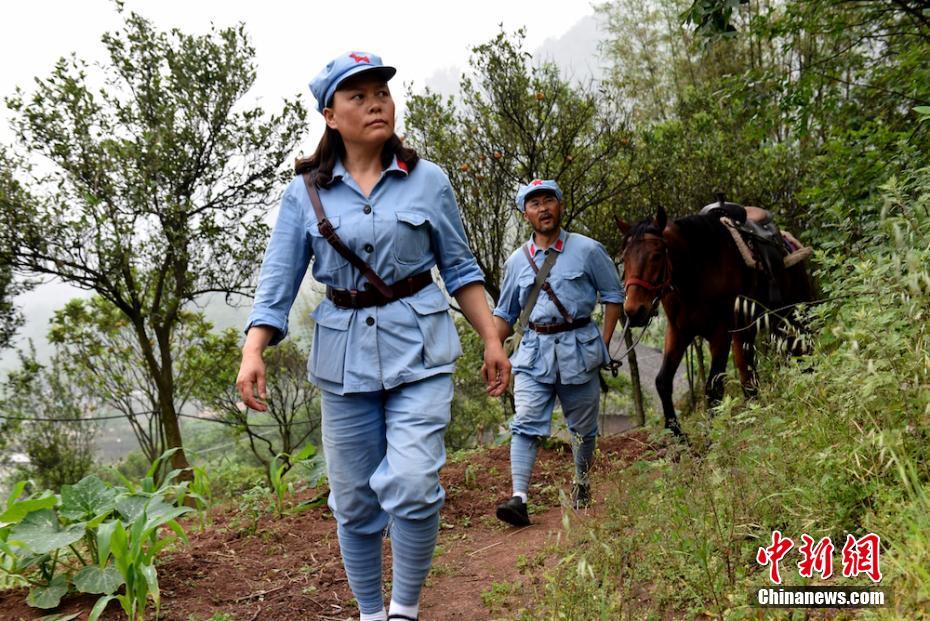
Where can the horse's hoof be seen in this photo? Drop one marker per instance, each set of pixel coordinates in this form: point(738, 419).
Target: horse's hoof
point(675, 428)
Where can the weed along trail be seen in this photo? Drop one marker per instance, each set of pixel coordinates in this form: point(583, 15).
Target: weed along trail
point(248, 564)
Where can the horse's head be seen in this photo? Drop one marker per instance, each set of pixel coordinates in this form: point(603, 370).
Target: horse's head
point(647, 272)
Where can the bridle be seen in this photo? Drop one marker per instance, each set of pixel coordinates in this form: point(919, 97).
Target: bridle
point(660, 289)
point(664, 285)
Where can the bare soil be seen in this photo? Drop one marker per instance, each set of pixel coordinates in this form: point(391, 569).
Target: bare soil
point(289, 568)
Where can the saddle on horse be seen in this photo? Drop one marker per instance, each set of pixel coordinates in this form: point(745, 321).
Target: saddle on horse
point(762, 245)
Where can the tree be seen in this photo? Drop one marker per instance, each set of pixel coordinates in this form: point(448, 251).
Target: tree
point(160, 179)
point(293, 415)
point(97, 344)
point(512, 122)
point(59, 429)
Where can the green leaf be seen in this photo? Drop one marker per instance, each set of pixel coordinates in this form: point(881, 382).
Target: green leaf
point(923, 111)
point(151, 579)
point(87, 499)
point(158, 512)
point(104, 537)
point(60, 617)
point(306, 452)
point(99, 607)
point(17, 510)
point(92, 579)
point(50, 595)
point(131, 507)
point(41, 532)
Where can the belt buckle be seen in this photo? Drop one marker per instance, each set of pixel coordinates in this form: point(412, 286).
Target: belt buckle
point(353, 298)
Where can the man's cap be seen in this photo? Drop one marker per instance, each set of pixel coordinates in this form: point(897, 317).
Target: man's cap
point(342, 67)
point(534, 186)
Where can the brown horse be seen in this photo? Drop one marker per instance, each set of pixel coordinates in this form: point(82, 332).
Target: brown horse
point(694, 268)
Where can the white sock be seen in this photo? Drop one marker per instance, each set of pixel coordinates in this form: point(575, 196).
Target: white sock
point(522, 496)
point(408, 611)
point(381, 615)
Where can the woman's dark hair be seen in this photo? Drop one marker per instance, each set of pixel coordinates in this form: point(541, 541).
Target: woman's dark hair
point(331, 146)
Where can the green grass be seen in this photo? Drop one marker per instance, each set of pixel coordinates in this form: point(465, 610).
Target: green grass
point(835, 443)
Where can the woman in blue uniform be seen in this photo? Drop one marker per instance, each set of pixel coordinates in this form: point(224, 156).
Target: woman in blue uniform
point(384, 344)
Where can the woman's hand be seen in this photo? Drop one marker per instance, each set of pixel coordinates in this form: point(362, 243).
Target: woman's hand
point(252, 376)
point(496, 369)
point(252, 368)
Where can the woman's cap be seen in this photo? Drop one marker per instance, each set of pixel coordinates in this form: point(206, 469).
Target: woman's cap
point(534, 186)
point(338, 69)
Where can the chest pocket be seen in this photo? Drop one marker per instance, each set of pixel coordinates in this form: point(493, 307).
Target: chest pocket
point(411, 237)
point(326, 257)
point(572, 287)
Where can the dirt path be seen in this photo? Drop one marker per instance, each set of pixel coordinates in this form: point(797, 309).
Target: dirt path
point(289, 569)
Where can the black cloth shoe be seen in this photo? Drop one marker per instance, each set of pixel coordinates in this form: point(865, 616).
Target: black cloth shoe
point(581, 495)
point(400, 617)
point(514, 512)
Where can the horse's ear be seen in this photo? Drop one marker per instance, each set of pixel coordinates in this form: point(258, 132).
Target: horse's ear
point(622, 225)
point(661, 218)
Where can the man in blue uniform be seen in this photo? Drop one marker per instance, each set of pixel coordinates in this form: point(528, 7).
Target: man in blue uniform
point(562, 350)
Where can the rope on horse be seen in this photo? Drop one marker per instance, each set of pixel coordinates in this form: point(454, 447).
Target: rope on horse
point(744, 250)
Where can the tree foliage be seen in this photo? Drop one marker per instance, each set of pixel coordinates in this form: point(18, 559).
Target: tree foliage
point(159, 178)
point(293, 416)
point(511, 122)
point(58, 432)
point(96, 344)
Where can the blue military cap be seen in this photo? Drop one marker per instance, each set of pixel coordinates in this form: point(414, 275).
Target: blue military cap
point(537, 185)
point(338, 69)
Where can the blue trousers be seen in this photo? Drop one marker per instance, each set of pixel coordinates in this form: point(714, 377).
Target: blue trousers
point(534, 402)
point(383, 454)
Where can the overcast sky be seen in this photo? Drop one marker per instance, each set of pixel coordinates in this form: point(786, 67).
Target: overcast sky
point(293, 40)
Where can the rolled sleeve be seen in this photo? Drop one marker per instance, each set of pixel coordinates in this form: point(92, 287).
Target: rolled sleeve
point(283, 267)
point(508, 306)
point(457, 264)
point(604, 274)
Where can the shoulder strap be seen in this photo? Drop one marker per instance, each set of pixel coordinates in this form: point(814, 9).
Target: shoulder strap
point(545, 286)
point(328, 233)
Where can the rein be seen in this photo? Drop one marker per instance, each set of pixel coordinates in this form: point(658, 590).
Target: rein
point(659, 289)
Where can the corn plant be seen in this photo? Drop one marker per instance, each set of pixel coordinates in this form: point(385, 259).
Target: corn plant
point(93, 538)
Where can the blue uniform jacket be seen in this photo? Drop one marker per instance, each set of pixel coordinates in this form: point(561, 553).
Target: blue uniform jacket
point(582, 271)
point(409, 224)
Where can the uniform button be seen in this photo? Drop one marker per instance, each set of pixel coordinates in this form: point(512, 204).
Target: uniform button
point(368, 286)
point(370, 321)
point(367, 209)
point(369, 248)
point(557, 340)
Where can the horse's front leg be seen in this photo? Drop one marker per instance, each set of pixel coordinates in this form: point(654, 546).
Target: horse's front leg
point(719, 353)
point(675, 346)
point(744, 358)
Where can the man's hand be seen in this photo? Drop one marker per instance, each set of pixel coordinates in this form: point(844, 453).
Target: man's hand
point(496, 369)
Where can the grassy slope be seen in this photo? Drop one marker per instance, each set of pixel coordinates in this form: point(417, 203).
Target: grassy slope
point(840, 448)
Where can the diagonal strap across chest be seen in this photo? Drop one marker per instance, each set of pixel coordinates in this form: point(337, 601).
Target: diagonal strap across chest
point(548, 288)
point(330, 235)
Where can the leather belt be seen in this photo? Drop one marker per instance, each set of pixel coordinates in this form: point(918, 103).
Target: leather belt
point(353, 298)
point(555, 328)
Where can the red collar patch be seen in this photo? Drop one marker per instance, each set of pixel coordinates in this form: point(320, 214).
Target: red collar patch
point(403, 166)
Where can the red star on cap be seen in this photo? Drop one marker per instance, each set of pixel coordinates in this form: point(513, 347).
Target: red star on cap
point(359, 59)
point(536, 182)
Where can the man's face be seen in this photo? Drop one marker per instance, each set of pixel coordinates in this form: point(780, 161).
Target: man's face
point(543, 212)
